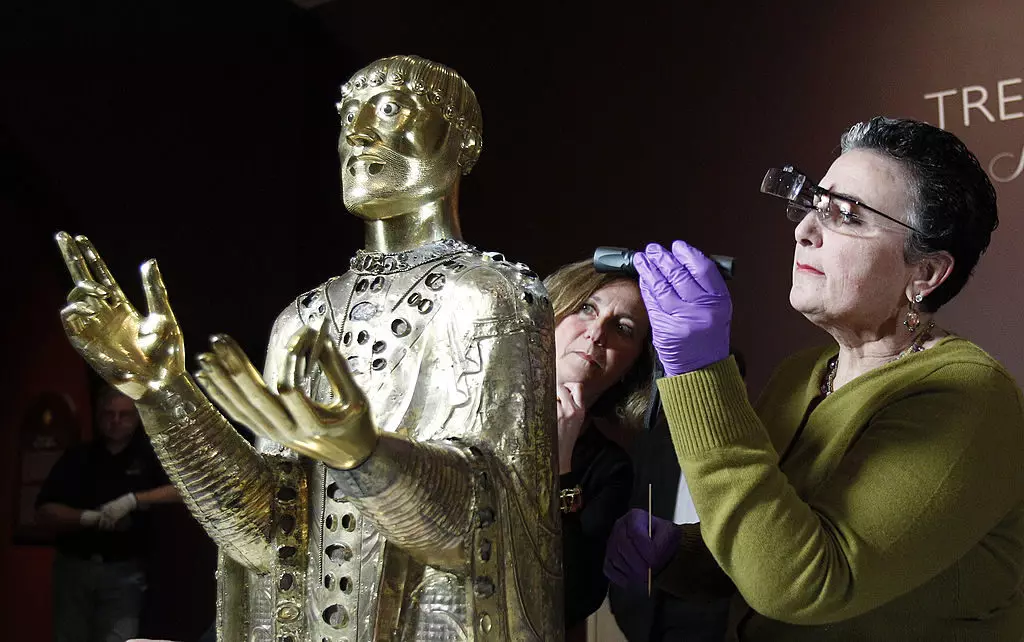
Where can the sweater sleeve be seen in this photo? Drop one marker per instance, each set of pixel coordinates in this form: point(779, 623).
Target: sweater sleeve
point(693, 574)
point(900, 507)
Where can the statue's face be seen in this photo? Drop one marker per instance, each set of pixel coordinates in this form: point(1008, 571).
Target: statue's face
point(397, 152)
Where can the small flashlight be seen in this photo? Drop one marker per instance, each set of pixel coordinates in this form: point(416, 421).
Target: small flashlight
point(620, 260)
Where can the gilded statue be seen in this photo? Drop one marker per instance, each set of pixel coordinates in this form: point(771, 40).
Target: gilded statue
point(402, 483)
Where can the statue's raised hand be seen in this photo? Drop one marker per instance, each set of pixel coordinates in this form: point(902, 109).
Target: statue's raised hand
point(136, 354)
point(341, 433)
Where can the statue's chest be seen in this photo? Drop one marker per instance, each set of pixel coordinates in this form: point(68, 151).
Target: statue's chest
point(391, 334)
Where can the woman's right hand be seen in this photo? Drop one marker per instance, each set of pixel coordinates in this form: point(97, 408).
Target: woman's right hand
point(688, 305)
point(135, 354)
point(571, 413)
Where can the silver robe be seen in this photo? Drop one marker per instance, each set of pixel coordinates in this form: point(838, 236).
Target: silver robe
point(451, 530)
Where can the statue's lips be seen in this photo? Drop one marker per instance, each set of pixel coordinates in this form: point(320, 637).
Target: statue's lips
point(374, 164)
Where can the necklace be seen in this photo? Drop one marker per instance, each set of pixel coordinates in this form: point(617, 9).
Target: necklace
point(368, 262)
point(916, 346)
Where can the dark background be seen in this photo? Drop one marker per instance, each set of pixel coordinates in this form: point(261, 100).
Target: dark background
point(203, 133)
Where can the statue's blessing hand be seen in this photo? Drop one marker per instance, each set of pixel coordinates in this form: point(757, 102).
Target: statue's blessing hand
point(136, 354)
point(340, 432)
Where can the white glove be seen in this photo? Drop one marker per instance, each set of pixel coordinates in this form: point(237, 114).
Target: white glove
point(114, 510)
point(89, 518)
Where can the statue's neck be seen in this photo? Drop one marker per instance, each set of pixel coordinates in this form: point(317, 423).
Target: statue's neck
point(435, 221)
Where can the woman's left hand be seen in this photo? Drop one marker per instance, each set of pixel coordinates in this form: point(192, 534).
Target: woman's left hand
point(571, 413)
point(640, 543)
point(688, 304)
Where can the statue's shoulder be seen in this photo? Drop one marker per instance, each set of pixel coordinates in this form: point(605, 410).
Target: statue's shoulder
point(493, 285)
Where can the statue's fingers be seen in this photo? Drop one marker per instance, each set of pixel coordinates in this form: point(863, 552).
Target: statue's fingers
point(78, 309)
point(74, 317)
point(98, 266)
point(73, 259)
point(86, 291)
point(248, 380)
point(221, 389)
point(291, 373)
point(156, 292)
point(299, 355)
point(319, 342)
point(225, 390)
point(302, 409)
point(301, 340)
point(338, 374)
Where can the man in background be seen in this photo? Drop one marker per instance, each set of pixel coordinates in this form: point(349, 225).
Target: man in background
point(94, 498)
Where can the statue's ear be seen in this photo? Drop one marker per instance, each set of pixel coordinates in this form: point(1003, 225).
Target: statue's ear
point(470, 149)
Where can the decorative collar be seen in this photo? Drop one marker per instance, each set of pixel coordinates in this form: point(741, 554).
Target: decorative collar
point(365, 262)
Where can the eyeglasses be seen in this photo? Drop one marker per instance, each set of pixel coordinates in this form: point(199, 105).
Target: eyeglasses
point(836, 212)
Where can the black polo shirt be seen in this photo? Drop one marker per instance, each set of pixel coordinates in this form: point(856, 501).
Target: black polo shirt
point(86, 477)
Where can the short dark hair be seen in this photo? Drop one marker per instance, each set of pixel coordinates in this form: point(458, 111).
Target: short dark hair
point(953, 200)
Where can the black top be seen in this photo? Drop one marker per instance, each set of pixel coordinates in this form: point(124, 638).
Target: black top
point(87, 476)
point(604, 473)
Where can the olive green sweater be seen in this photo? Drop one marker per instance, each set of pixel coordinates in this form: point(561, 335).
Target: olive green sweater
point(893, 510)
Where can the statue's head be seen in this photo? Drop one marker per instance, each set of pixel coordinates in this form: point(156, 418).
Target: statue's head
point(409, 128)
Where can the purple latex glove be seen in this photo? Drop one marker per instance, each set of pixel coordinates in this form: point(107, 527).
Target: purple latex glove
point(688, 304)
point(631, 551)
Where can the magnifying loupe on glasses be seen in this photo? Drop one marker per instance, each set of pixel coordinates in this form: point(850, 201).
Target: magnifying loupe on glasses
point(835, 211)
point(791, 184)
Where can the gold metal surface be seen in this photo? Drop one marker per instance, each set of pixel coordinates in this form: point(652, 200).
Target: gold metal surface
point(402, 486)
point(410, 129)
point(143, 356)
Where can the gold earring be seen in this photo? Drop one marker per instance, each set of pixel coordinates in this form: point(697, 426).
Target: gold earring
point(913, 319)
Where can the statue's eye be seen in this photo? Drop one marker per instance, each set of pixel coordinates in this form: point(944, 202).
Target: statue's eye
point(389, 109)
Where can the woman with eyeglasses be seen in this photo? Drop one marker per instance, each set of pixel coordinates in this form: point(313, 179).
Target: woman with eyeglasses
point(875, 491)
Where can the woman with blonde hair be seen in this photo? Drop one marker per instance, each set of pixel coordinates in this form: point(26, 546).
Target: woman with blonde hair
point(603, 372)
